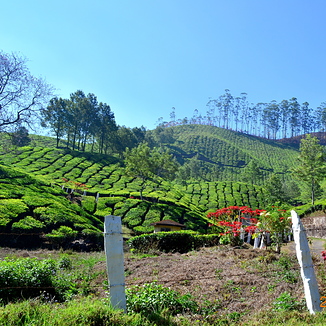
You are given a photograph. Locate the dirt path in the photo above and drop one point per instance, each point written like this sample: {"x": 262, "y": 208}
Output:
{"x": 316, "y": 246}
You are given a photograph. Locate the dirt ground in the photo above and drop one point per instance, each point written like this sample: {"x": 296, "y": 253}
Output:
{"x": 231, "y": 280}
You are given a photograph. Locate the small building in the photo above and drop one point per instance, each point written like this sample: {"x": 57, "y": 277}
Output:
{"x": 167, "y": 225}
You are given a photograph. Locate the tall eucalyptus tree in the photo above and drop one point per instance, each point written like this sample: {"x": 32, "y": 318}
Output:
{"x": 306, "y": 121}
{"x": 284, "y": 117}
{"x": 294, "y": 118}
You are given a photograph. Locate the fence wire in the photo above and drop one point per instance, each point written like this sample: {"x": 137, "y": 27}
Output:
{"x": 180, "y": 280}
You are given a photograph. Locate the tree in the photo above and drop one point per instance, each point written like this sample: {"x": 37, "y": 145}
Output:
{"x": 55, "y": 117}
{"x": 252, "y": 173}
{"x": 274, "y": 188}
{"x": 294, "y": 117}
{"x": 146, "y": 164}
{"x": 312, "y": 164}
{"x": 21, "y": 94}
{"x": 20, "y": 137}
{"x": 106, "y": 128}
{"x": 271, "y": 119}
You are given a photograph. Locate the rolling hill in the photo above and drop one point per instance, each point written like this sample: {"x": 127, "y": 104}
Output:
{"x": 224, "y": 154}
{"x": 36, "y": 183}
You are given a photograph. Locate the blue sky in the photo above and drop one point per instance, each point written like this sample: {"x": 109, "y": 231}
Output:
{"x": 145, "y": 57}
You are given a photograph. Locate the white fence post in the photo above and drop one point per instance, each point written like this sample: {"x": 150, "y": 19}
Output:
{"x": 307, "y": 270}
{"x": 257, "y": 240}
{"x": 113, "y": 244}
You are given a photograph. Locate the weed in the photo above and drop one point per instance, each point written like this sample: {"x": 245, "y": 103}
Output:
{"x": 65, "y": 263}
{"x": 218, "y": 273}
{"x": 253, "y": 289}
{"x": 285, "y": 302}
{"x": 287, "y": 273}
{"x": 271, "y": 287}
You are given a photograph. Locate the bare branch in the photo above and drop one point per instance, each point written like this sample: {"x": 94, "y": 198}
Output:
{"x": 22, "y": 95}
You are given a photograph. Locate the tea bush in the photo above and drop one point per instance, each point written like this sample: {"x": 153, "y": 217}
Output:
{"x": 154, "y": 298}
{"x": 25, "y": 277}
{"x": 178, "y": 241}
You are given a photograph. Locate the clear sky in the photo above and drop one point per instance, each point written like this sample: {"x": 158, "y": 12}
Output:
{"x": 143, "y": 57}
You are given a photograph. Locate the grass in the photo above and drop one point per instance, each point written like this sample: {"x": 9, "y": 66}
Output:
{"x": 90, "y": 305}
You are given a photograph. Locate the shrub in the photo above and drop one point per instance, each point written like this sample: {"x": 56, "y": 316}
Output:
{"x": 62, "y": 236}
{"x": 25, "y": 277}
{"x": 154, "y": 298}
{"x": 28, "y": 224}
{"x": 179, "y": 241}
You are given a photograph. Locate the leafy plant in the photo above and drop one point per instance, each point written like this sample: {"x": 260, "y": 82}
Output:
{"x": 285, "y": 302}
{"x": 154, "y": 298}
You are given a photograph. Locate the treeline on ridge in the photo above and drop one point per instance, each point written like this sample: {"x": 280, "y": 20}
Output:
{"x": 272, "y": 120}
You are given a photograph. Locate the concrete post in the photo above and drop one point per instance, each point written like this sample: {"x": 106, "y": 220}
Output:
{"x": 242, "y": 234}
{"x": 257, "y": 240}
{"x": 113, "y": 244}
{"x": 305, "y": 261}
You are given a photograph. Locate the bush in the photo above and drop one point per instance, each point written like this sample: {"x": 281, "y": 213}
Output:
{"x": 62, "y": 236}
{"x": 25, "y": 277}
{"x": 28, "y": 224}
{"x": 179, "y": 241}
{"x": 154, "y": 298}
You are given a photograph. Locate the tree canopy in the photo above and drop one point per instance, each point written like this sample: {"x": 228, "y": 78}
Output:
{"x": 149, "y": 164}
{"x": 312, "y": 163}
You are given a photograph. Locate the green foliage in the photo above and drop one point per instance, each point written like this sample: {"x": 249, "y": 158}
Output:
{"x": 275, "y": 220}
{"x": 84, "y": 312}
{"x": 25, "y": 277}
{"x": 20, "y": 137}
{"x": 226, "y": 151}
{"x": 28, "y": 224}
{"x": 221, "y": 154}
{"x": 144, "y": 163}
{"x": 10, "y": 208}
{"x": 287, "y": 273}
{"x": 285, "y": 302}
{"x": 312, "y": 165}
{"x": 47, "y": 279}
{"x": 178, "y": 241}
{"x": 61, "y": 236}
{"x": 154, "y": 298}
{"x": 274, "y": 188}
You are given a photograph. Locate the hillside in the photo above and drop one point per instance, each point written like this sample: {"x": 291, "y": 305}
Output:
{"x": 224, "y": 154}
{"x": 38, "y": 180}
{"x": 51, "y": 173}
{"x": 31, "y": 208}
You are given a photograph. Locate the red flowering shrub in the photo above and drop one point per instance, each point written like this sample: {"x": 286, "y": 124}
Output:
{"x": 236, "y": 219}
{"x": 323, "y": 254}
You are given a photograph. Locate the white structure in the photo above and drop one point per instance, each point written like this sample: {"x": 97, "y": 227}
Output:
{"x": 307, "y": 270}
{"x": 113, "y": 245}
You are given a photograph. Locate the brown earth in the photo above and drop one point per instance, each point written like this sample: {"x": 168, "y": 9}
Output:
{"x": 229, "y": 280}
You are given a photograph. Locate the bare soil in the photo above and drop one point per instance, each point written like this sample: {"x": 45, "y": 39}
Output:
{"x": 226, "y": 279}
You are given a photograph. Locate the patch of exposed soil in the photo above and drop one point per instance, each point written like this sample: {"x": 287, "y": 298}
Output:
{"x": 232, "y": 280}
{"x": 235, "y": 280}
